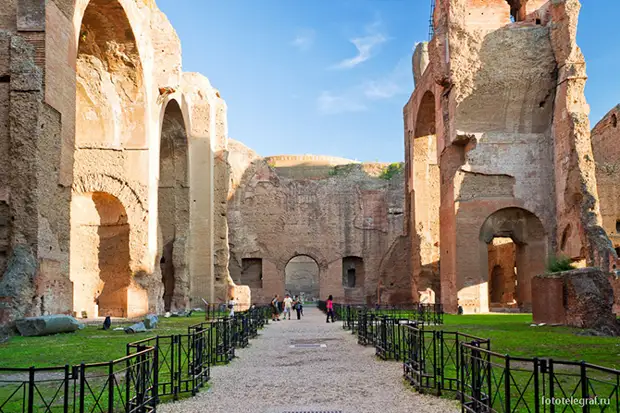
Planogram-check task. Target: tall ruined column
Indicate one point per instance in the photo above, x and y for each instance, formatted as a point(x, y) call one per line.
point(580, 234)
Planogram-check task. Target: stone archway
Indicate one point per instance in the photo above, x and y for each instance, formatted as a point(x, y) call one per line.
point(301, 277)
point(99, 203)
point(173, 208)
point(425, 184)
point(110, 101)
point(514, 228)
point(100, 256)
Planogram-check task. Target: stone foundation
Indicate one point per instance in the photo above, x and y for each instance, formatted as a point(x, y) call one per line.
point(581, 298)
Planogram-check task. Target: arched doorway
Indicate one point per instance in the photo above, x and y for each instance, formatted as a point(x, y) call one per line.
point(301, 277)
point(425, 185)
point(513, 251)
point(173, 208)
point(100, 255)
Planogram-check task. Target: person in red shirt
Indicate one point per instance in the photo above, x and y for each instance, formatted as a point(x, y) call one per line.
point(330, 308)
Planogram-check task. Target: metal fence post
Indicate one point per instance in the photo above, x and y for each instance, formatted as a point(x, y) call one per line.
point(31, 389)
point(584, 386)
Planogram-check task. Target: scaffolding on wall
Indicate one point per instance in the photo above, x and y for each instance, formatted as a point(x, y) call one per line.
point(431, 26)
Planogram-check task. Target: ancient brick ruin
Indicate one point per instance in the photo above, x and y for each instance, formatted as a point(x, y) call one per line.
point(121, 194)
point(102, 209)
point(497, 144)
point(315, 225)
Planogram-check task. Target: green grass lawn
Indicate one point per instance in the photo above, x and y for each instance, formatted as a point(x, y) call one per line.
point(92, 344)
point(512, 334)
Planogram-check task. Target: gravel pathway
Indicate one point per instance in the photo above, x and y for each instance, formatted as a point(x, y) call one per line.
point(271, 377)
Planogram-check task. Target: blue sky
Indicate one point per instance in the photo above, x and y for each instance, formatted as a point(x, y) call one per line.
point(331, 76)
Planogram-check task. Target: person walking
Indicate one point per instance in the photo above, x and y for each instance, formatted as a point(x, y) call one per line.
point(231, 307)
point(275, 314)
point(288, 306)
point(298, 307)
point(330, 308)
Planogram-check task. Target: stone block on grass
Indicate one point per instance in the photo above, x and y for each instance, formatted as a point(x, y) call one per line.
point(46, 325)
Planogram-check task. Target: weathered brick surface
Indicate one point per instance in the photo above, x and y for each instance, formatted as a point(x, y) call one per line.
point(327, 216)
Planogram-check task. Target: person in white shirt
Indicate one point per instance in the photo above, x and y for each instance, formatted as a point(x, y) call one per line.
point(231, 306)
point(288, 306)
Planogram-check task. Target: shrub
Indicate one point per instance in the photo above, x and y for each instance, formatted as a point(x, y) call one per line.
point(391, 170)
point(559, 264)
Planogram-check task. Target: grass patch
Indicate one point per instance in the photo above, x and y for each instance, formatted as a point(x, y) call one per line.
point(512, 334)
point(90, 345)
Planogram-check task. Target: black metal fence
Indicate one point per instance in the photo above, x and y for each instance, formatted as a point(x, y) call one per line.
point(156, 367)
point(449, 362)
point(422, 313)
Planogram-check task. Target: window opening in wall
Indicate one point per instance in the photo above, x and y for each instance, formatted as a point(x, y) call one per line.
point(252, 272)
point(614, 120)
point(618, 226)
point(351, 277)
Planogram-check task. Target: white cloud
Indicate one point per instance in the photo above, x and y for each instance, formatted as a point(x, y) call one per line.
point(330, 104)
point(358, 98)
point(304, 39)
point(365, 46)
point(397, 82)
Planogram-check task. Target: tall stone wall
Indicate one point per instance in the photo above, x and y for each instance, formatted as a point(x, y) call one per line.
point(103, 127)
point(345, 217)
point(605, 138)
point(512, 147)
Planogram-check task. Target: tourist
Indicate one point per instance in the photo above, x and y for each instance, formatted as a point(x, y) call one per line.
point(298, 307)
point(330, 308)
point(288, 306)
point(275, 314)
point(231, 306)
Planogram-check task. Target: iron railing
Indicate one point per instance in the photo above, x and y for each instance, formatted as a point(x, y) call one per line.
point(437, 361)
point(128, 384)
point(156, 367)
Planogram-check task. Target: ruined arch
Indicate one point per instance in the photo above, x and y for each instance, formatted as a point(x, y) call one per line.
point(100, 258)
point(425, 119)
point(110, 98)
point(522, 249)
point(302, 275)
point(86, 215)
point(173, 208)
point(425, 183)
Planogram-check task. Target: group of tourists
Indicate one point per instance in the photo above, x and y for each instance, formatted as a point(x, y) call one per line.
point(286, 307)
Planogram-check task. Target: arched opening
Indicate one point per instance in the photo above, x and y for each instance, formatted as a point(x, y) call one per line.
point(173, 206)
point(518, 11)
point(513, 251)
point(502, 255)
point(110, 100)
point(301, 276)
point(100, 255)
point(426, 188)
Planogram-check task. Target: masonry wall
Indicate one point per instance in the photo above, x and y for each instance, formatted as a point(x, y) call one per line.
point(348, 212)
point(85, 89)
point(605, 137)
point(504, 130)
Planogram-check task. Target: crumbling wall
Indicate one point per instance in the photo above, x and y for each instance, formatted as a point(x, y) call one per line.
point(351, 212)
point(605, 137)
point(575, 178)
point(35, 209)
point(508, 80)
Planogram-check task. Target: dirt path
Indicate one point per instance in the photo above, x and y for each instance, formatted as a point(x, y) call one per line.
point(340, 376)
